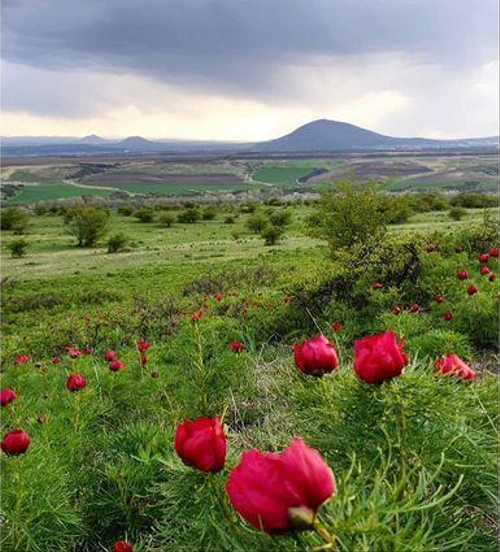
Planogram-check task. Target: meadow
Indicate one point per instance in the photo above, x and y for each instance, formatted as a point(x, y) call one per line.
point(202, 319)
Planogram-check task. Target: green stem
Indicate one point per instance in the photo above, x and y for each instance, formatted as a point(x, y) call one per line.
point(325, 535)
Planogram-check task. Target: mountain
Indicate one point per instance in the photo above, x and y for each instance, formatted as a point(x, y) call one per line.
point(326, 135)
point(93, 140)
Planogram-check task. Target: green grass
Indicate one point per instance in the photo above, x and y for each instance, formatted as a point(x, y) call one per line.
point(286, 174)
point(49, 192)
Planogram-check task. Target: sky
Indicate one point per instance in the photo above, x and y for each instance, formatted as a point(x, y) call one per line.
point(248, 70)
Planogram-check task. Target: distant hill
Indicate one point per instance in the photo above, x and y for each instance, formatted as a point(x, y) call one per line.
point(94, 140)
point(326, 135)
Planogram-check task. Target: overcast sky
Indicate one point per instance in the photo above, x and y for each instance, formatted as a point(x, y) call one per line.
point(248, 70)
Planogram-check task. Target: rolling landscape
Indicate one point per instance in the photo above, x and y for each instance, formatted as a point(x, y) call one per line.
point(249, 267)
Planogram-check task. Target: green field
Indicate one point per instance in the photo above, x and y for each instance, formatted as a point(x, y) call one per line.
point(51, 192)
point(286, 174)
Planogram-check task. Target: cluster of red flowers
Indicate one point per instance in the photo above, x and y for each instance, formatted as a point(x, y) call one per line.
point(114, 363)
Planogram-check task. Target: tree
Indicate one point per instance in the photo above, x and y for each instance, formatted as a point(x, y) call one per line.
point(257, 222)
point(280, 217)
point(87, 224)
point(117, 242)
point(457, 213)
point(189, 216)
point(17, 248)
point(271, 234)
point(209, 213)
point(349, 216)
point(15, 219)
point(167, 220)
point(145, 215)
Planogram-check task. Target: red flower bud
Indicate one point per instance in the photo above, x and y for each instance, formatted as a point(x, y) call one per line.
point(56, 360)
point(484, 258)
point(472, 290)
point(279, 492)
point(76, 382)
point(7, 396)
point(109, 356)
point(462, 275)
point(202, 444)
point(448, 316)
point(396, 310)
point(142, 345)
point(484, 270)
point(438, 299)
point(337, 327)
point(73, 352)
point(415, 308)
point(453, 365)
point(316, 357)
point(22, 359)
point(122, 546)
point(377, 285)
point(492, 277)
point(116, 365)
point(378, 358)
point(495, 252)
point(237, 347)
point(15, 442)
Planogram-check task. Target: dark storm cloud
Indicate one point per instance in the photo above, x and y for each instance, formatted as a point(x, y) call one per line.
point(235, 46)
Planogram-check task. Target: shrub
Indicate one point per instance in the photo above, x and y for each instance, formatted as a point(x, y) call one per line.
point(280, 218)
point(125, 210)
point(474, 201)
point(15, 219)
point(17, 248)
point(271, 234)
point(167, 220)
point(87, 224)
point(395, 210)
point(189, 216)
point(457, 213)
point(423, 203)
point(145, 215)
point(209, 213)
point(229, 219)
point(257, 222)
point(117, 242)
point(349, 216)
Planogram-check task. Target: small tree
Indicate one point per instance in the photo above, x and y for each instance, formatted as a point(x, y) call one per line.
point(209, 213)
point(271, 234)
point(280, 217)
point(257, 222)
point(17, 248)
point(167, 220)
point(457, 213)
point(189, 216)
point(117, 242)
point(145, 215)
point(87, 224)
point(125, 210)
point(15, 219)
point(229, 219)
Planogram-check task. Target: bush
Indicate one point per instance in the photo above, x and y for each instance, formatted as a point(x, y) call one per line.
point(395, 210)
point(145, 215)
point(87, 224)
point(167, 220)
point(189, 216)
point(349, 217)
point(125, 210)
point(423, 203)
point(229, 219)
point(17, 248)
point(117, 242)
point(15, 219)
point(257, 222)
point(271, 234)
point(474, 201)
point(209, 213)
point(280, 218)
point(457, 213)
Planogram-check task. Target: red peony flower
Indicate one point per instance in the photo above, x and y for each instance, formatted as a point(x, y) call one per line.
point(279, 492)
point(462, 275)
point(438, 299)
point(472, 289)
point(56, 360)
point(116, 365)
point(448, 316)
point(484, 270)
point(379, 358)
point(15, 442)
point(316, 356)
point(396, 310)
point(492, 277)
point(7, 396)
point(76, 382)
point(415, 308)
point(495, 252)
point(202, 444)
point(109, 356)
point(122, 546)
point(22, 359)
point(377, 285)
point(484, 258)
point(142, 345)
point(337, 327)
point(237, 347)
point(453, 365)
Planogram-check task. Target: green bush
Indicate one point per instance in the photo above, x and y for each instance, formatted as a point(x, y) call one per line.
point(209, 213)
point(117, 242)
point(271, 234)
point(17, 248)
point(15, 219)
point(145, 215)
point(457, 213)
point(257, 222)
point(280, 217)
point(167, 220)
point(189, 216)
point(87, 224)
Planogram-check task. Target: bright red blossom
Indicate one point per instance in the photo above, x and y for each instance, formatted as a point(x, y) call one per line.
point(484, 270)
point(271, 491)
point(142, 345)
point(484, 258)
point(202, 444)
point(237, 347)
point(73, 352)
point(448, 316)
point(495, 252)
point(109, 356)
point(415, 308)
point(379, 358)
point(15, 442)
point(316, 356)
point(377, 285)
point(76, 382)
point(197, 316)
point(337, 327)
point(56, 360)
point(438, 298)
point(462, 275)
point(22, 359)
point(116, 365)
point(122, 546)
point(472, 290)
point(7, 396)
point(396, 310)
point(453, 365)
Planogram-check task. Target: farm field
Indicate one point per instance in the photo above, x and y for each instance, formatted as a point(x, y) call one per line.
point(202, 319)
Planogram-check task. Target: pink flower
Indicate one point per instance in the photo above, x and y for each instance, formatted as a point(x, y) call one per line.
point(56, 360)
point(22, 359)
point(379, 358)
point(15, 442)
point(396, 310)
point(109, 356)
point(279, 492)
point(484, 270)
point(462, 275)
point(484, 258)
point(76, 382)
point(7, 396)
point(495, 252)
point(472, 290)
point(415, 308)
point(116, 365)
point(142, 345)
point(73, 352)
point(453, 365)
point(316, 357)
